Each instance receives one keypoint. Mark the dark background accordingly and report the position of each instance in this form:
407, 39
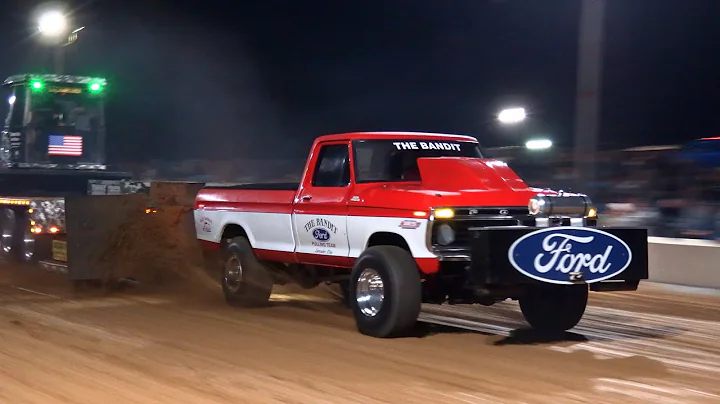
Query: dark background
220, 79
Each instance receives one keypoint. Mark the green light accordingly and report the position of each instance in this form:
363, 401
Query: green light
36, 85
95, 87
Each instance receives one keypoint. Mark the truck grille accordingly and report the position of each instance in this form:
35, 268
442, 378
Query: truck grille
464, 227
468, 220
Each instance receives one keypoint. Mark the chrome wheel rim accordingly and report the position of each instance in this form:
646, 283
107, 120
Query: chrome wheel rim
370, 292
233, 274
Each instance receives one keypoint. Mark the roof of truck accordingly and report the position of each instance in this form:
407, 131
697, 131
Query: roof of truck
395, 135
53, 78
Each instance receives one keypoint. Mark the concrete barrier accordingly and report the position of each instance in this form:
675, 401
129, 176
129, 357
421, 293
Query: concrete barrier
684, 262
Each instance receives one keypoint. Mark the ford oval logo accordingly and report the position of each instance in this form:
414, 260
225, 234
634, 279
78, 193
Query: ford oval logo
321, 234
565, 255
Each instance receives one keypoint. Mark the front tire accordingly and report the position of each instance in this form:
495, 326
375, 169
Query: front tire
245, 281
554, 308
385, 292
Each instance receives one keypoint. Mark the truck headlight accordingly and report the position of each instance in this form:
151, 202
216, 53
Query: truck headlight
445, 234
572, 205
538, 205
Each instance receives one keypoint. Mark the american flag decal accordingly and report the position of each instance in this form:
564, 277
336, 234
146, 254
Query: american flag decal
62, 145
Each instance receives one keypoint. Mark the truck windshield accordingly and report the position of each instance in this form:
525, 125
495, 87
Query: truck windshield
396, 160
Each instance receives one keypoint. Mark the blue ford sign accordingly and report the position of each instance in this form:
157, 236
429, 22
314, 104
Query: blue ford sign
567, 255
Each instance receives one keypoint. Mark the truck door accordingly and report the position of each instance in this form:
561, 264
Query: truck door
321, 207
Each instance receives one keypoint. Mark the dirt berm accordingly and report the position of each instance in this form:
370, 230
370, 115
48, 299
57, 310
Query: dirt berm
148, 238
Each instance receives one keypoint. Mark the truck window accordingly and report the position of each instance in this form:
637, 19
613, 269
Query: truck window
396, 160
333, 167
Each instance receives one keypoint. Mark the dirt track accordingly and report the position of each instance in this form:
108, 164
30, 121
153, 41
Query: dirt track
185, 347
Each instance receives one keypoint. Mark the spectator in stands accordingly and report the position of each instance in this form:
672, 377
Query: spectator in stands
696, 218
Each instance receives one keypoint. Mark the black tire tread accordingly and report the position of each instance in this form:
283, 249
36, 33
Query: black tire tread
403, 285
554, 309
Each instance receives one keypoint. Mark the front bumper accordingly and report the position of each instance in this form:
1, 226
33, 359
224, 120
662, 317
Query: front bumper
605, 258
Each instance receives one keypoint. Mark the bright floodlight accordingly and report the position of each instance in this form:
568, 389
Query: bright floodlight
511, 116
538, 144
52, 24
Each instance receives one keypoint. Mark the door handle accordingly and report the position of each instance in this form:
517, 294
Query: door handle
306, 197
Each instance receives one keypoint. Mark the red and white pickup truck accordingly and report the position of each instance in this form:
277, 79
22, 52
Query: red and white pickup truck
401, 219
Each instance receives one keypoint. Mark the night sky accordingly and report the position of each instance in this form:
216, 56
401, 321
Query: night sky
221, 79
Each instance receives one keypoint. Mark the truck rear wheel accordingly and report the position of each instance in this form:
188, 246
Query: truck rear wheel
554, 308
385, 292
245, 281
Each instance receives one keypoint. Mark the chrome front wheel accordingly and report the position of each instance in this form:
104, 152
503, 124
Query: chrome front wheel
386, 292
370, 292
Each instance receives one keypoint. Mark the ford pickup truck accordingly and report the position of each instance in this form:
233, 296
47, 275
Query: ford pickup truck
400, 219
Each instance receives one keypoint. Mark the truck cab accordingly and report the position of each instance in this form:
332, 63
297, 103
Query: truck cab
54, 121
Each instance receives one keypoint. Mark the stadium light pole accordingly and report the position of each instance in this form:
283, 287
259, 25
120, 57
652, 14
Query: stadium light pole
588, 91
53, 25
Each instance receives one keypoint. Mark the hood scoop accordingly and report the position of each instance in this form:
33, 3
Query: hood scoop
459, 173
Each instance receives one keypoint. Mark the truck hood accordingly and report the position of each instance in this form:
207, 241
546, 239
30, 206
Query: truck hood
453, 181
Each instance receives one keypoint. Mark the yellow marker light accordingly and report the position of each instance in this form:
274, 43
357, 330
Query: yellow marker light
20, 202
592, 212
445, 213
420, 213
31, 210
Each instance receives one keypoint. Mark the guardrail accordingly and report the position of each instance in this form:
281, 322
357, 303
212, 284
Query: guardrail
684, 262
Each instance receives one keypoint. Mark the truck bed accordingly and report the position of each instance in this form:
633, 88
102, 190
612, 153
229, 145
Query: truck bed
260, 186
258, 197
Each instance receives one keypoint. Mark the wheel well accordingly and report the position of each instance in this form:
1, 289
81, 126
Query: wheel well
387, 238
233, 230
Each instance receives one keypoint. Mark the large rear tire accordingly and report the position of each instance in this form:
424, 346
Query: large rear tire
554, 308
245, 281
385, 292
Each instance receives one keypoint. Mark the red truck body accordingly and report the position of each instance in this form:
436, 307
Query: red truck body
446, 182
416, 217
